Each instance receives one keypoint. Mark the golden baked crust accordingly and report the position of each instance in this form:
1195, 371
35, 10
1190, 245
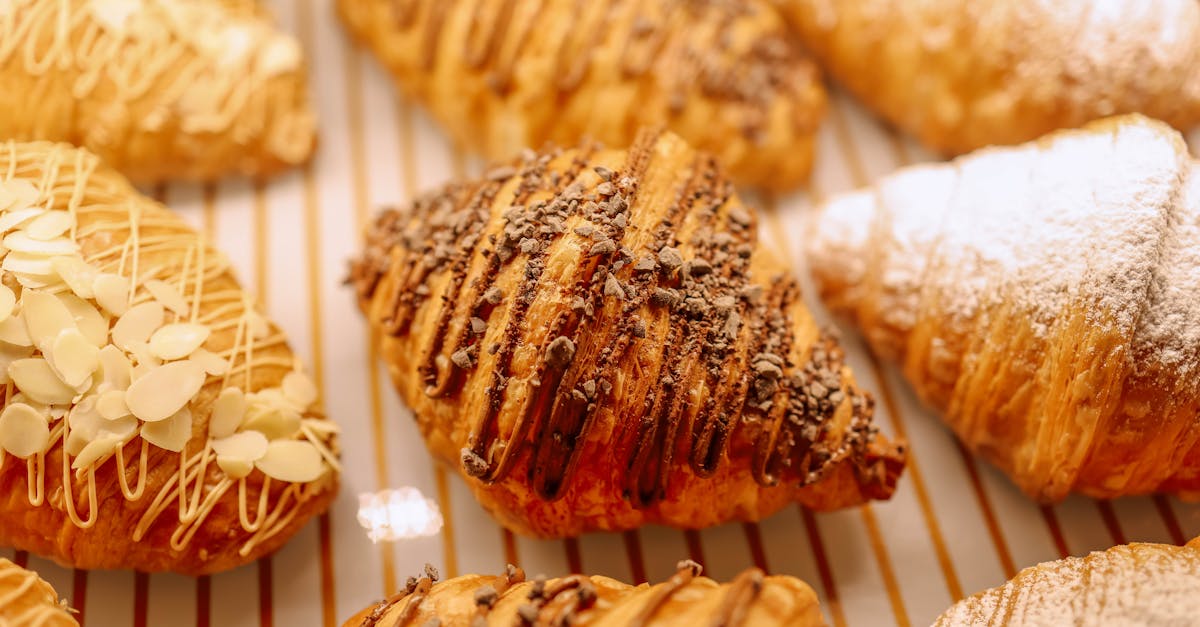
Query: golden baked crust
1044, 298
1132, 584
597, 341
962, 74
157, 88
506, 75
250, 479
26, 600
685, 599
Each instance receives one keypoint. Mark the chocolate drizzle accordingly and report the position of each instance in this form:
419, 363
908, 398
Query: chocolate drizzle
683, 299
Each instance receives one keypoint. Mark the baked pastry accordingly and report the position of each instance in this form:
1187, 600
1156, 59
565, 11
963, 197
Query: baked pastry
502, 76
152, 418
752, 598
27, 600
1132, 584
961, 75
1045, 298
596, 340
157, 88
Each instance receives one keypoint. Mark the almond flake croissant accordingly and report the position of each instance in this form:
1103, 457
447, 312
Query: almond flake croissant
502, 76
1132, 584
1045, 298
152, 419
685, 600
157, 88
963, 74
26, 600
597, 341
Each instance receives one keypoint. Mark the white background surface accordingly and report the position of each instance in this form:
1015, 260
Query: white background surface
955, 526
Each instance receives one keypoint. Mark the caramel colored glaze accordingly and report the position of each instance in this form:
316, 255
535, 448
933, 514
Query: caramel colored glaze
27, 600
684, 599
508, 74
963, 74
157, 88
596, 340
214, 522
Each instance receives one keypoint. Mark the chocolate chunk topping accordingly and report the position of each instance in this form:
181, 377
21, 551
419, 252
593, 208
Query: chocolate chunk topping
493, 295
670, 258
486, 595
604, 172
473, 464
603, 247
560, 352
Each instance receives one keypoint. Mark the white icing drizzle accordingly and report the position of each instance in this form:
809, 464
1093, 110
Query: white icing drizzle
27, 600
115, 365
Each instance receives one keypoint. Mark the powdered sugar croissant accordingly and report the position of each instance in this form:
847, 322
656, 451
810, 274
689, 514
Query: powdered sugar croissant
157, 88
152, 419
597, 341
1133, 584
502, 76
1045, 298
26, 600
685, 599
962, 74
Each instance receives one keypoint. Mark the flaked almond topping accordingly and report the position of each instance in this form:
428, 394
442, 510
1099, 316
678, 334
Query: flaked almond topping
115, 368
259, 327
36, 379
8, 354
27, 266
240, 451
79, 275
91, 323
112, 292
84, 424
274, 422
227, 413
171, 434
295, 461
21, 242
168, 296
45, 316
164, 390
111, 405
49, 225
299, 390
212, 363
8, 302
235, 467
104, 445
17, 217
178, 340
137, 324
73, 357
13, 331
23, 430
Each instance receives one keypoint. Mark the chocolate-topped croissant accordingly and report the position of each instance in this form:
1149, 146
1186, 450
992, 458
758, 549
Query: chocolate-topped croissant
685, 599
597, 340
502, 76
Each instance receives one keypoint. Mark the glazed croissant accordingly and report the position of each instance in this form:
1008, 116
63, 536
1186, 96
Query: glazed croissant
685, 599
1045, 298
502, 76
26, 600
961, 75
152, 419
157, 88
596, 339
1132, 584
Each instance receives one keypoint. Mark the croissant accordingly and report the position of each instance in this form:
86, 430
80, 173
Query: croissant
597, 341
1132, 584
27, 600
502, 76
685, 599
1045, 298
157, 88
961, 75
152, 419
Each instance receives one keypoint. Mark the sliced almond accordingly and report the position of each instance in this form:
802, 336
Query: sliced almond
112, 292
299, 390
35, 378
247, 445
294, 461
168, 296
235, 468
171, 434
259, 327
227, 413
122, 427
111, 405
277, 423
49, 225
73, 357
16, 217
13, 331
212, 363
8, 354
103, 446
164, 390
84, 424
24, 432
115, 368
45, 317
91, 323
26, 264
137, 324
38, 281
25, 193
178, 340
78, 274
8, 301
21, 242
320, 427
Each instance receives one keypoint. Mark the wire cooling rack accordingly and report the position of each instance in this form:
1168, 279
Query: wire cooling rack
955, 525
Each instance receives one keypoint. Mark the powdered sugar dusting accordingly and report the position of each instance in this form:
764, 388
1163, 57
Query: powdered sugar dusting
1136, 584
